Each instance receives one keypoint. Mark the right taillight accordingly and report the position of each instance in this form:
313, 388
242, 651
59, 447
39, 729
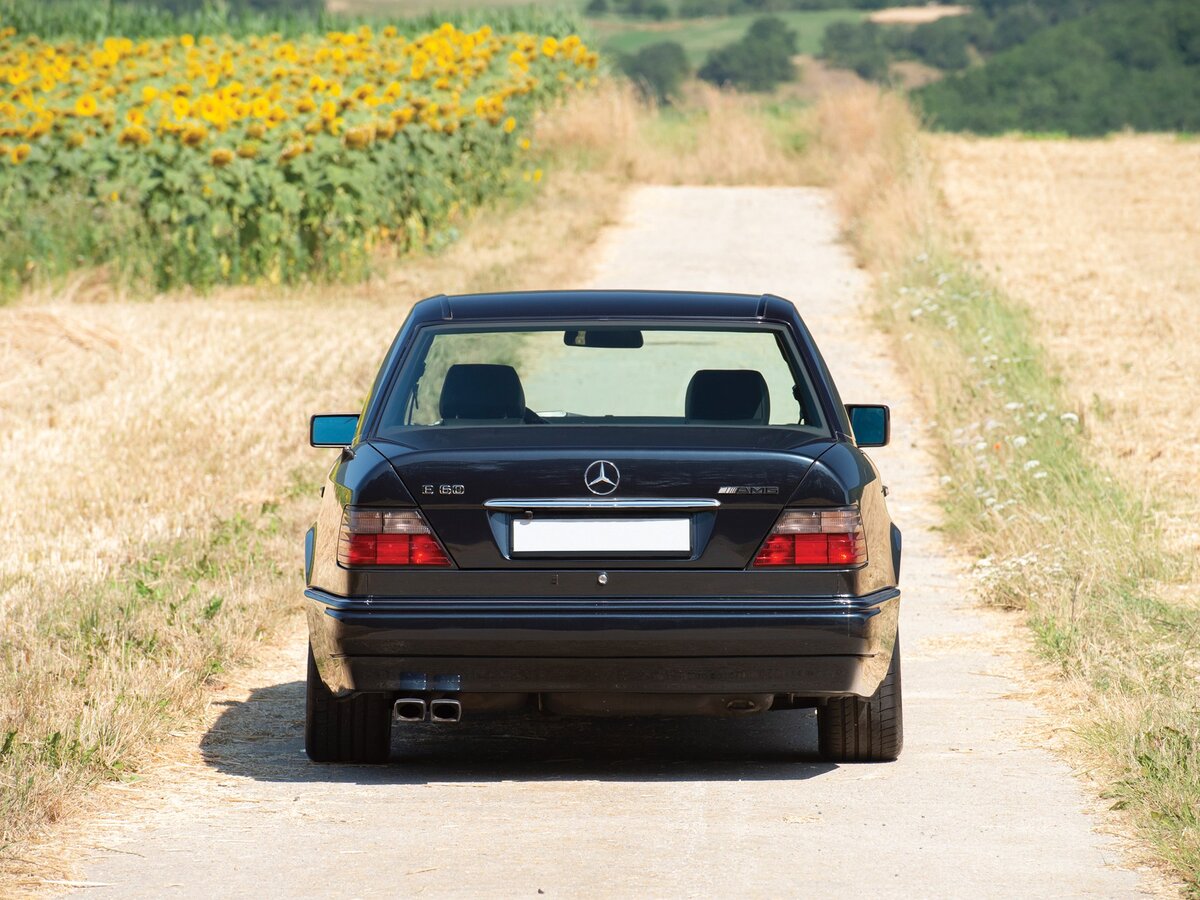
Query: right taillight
815, 537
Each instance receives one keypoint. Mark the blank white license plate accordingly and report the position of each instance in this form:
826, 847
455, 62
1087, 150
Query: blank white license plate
602, 536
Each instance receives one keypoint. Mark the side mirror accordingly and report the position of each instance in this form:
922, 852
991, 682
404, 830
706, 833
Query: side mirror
332, 430
872, 425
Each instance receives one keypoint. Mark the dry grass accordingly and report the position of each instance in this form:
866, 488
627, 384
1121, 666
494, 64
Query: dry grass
156, 453
1102, 240
870, 142
1062, 537
714, 137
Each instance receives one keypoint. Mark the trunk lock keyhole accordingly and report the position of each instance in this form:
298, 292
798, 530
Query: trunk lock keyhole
602, 578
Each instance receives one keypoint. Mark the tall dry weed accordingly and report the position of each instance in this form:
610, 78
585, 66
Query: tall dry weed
710, 137
871, 146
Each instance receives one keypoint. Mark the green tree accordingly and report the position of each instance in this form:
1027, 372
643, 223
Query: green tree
759, 61
860, 47
694, 9
942, 44
658, 70
1015, 26
1117, 66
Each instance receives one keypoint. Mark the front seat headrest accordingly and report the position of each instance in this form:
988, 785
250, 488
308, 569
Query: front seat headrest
728, 395
480, 391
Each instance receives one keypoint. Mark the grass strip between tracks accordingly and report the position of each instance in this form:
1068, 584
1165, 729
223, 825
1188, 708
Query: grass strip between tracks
1055, 535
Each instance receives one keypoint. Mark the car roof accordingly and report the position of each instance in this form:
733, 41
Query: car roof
622, 304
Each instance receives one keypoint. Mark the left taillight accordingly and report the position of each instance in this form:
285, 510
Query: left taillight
383, 537
815, 537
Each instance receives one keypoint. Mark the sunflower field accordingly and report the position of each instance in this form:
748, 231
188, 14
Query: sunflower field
185, 160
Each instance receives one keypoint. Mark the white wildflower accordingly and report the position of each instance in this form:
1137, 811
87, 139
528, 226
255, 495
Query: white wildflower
1031, 465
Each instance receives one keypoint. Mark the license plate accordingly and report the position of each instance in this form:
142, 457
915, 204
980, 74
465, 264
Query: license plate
602, 537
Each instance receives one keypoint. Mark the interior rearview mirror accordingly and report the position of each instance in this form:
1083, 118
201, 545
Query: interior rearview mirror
332, 430
609, 338
872, 425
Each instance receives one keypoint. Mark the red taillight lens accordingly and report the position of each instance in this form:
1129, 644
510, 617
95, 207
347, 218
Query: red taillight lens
372, 537
815, 537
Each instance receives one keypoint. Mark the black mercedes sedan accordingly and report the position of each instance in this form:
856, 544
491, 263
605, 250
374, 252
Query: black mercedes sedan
602, 503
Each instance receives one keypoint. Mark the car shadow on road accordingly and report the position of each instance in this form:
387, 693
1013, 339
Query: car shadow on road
263, 738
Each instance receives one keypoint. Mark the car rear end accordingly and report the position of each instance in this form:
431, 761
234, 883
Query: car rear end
694, 553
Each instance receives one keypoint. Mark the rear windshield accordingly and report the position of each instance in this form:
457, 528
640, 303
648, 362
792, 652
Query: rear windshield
602, 375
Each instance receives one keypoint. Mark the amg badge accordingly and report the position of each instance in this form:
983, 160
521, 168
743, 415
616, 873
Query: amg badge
748, 489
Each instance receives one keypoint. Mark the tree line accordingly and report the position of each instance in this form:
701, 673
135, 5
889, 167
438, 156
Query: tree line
758, 61
659, 10
1076, 66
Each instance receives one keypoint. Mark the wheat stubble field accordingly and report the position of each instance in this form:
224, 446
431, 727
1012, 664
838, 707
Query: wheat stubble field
1101, 239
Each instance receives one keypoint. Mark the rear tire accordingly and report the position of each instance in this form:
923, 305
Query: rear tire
352, 730
871, 729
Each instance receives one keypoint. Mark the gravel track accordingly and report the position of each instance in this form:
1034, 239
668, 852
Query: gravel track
651, 807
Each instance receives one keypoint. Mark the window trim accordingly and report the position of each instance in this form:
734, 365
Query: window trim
793, 352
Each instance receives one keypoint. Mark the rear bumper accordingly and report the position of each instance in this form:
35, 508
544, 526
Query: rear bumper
808, 646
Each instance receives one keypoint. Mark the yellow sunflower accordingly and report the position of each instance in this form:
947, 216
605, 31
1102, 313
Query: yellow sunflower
194, 134
86, 106
134, 136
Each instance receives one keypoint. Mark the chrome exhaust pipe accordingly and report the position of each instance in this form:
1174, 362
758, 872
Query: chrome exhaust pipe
409, 709
445, 711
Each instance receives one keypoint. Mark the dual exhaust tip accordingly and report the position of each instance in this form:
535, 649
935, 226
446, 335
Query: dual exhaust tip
443, 711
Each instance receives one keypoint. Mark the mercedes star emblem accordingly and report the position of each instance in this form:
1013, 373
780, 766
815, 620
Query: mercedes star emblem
602, 477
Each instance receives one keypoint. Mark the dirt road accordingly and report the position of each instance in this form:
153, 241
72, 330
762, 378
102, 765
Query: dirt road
637, 807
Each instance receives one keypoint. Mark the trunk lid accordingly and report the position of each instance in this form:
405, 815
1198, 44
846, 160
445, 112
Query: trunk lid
519, 497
